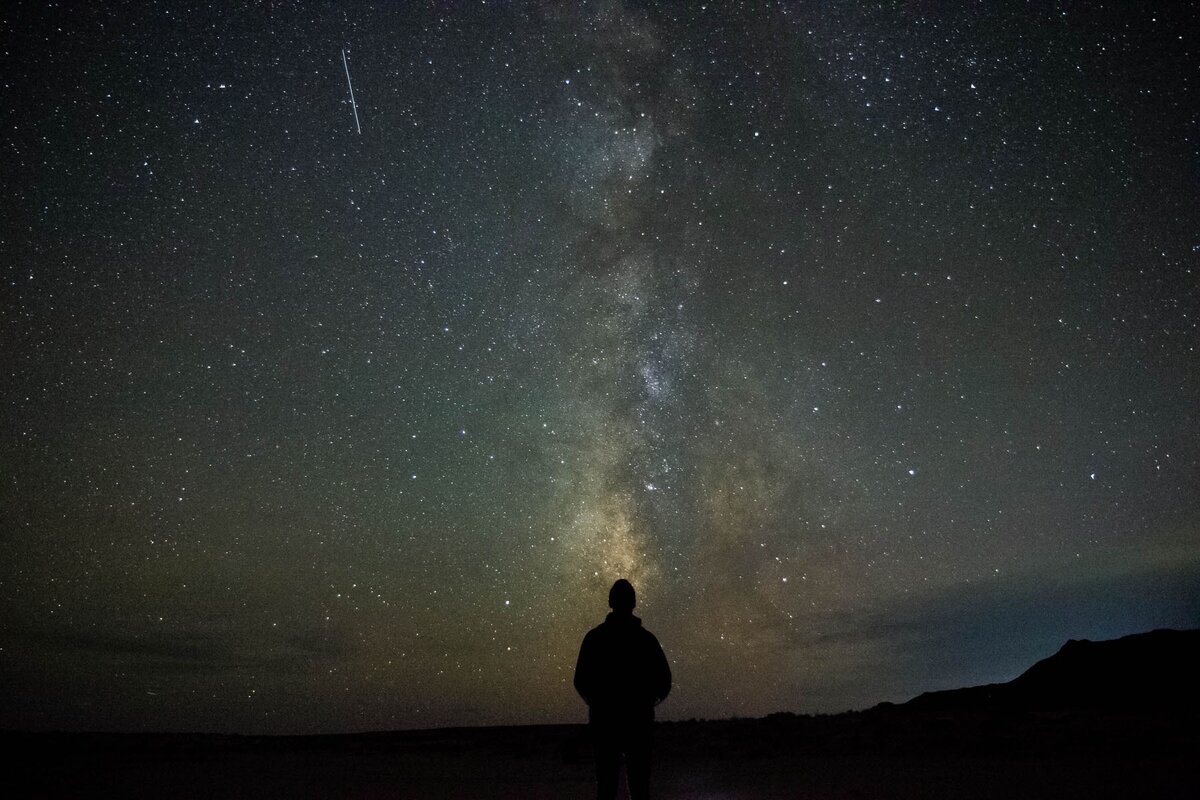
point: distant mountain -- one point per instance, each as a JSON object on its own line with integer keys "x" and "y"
{"x": 1155, "y": 671}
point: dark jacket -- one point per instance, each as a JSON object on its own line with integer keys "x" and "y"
{"x": 622, "y": 672}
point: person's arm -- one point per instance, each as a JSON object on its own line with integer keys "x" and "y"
{"x": 662, "y": 683}
{"x": 583, "y": 671}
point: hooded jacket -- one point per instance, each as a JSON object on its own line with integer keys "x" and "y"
{"x": 622, "y": 672}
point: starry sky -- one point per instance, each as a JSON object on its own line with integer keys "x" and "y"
{"x": 861, "y": 337}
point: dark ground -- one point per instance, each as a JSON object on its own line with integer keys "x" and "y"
{"x": 886, "y": 753}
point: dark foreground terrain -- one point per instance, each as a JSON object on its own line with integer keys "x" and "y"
{"x": 868, "y": 755}
{"x": 1117, "y": 719}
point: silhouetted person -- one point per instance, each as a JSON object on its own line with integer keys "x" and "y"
{"x": 622, "y": 674}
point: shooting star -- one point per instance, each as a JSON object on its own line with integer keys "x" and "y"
{"x": 353, "y": 104}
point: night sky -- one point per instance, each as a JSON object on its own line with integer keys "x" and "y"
{"x": 862, "y": 339}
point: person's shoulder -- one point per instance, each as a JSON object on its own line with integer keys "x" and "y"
{"x": 648, "y": 636}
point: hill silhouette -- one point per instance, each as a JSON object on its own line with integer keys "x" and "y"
{"x": 1146, "y": 672}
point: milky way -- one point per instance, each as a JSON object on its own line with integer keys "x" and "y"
{"x": 863, "y": 341}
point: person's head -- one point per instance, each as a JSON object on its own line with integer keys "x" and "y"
{"x": 621, "y": 596}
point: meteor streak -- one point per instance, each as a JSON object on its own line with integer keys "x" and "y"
{"x": 353, "y": 104}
